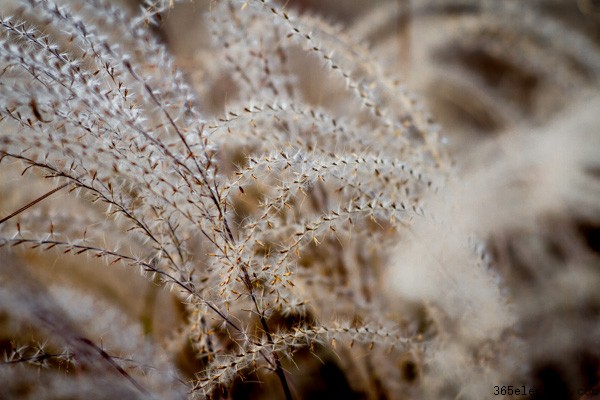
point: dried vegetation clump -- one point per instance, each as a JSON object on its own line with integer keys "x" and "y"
{"x": 236, "y": 199}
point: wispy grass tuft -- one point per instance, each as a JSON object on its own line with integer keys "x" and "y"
{"x": 278, "y": 205}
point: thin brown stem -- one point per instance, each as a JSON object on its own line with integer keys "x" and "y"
{"x": 34, "y": 202}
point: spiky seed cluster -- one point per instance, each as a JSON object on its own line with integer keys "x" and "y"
{"x": 274, "y": 224}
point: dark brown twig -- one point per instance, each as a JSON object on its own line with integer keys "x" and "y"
{"x": 34, "y": 202}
